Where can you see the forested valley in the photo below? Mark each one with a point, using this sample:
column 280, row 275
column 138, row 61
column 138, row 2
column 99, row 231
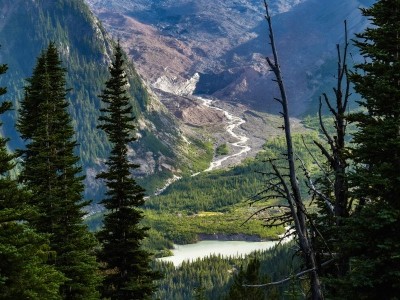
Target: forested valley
column 82, row 214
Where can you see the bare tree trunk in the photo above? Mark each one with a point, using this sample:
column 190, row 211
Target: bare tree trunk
column 293, row 191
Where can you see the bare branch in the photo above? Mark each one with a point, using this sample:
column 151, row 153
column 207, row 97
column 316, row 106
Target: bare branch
column 321, row 121
column 326, row 199
column 316, row 161
column 274, row 224
column 347, row 93
column 345, row 70
column 328, row 103
column 325, row 152
column 261, row 197
column 272, row 66
column 261, row 210
column 288, row 278
column 289, row 232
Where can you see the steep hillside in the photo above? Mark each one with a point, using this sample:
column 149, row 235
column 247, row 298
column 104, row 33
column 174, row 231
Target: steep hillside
column 26, row 27
column 225, row 42
column 193, row 35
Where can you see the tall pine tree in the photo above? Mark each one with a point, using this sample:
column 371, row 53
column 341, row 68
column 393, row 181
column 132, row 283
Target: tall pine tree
column 52, row 174
column 373, row 240
column 24, row 273
column 126, row 264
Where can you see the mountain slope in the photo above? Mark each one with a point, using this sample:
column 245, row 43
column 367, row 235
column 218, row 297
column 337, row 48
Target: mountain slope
column 193, row 34
column 226, row 43
column 26, row 27
column 306, row 38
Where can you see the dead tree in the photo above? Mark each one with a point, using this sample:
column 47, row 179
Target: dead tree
column 284, row 184
column 337, row 201
column 333, row 193
column 336, row 155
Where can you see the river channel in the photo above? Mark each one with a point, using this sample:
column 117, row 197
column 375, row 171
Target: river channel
column 233, row 123
column 191, row 252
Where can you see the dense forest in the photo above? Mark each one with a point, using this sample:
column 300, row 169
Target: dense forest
column 335, row 185
column 223, row 278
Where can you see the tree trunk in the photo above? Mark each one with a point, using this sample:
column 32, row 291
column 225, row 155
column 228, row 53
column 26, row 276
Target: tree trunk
column 295, row 199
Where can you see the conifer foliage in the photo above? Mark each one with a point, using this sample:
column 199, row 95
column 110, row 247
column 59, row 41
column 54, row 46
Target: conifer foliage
column 373, row 240
column 128, row 275
column 24, row 273
column 52, row 175
column 250, row 276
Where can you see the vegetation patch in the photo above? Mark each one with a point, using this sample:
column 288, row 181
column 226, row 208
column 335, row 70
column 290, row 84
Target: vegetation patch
column 222, row 150
column 217, row 202
column 209, row 214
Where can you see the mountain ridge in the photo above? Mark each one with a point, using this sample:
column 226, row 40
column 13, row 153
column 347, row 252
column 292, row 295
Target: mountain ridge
column 85, row 49
column 226, row 44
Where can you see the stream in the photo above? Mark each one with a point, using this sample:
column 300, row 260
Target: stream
column 234, row 122
column 241, row 144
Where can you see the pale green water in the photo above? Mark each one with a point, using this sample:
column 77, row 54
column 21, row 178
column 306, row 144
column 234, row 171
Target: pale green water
column 206, row 248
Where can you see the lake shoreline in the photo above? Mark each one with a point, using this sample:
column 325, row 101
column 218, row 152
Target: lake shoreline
column 232, row 237
column 206, row 248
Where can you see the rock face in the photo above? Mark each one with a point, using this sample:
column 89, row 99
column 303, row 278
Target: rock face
column 192, row 112
column 225, row 42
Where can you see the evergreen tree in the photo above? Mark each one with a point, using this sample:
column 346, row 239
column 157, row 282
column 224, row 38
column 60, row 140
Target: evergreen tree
column 51, row 173
column 373, row 240
column 126, row 264
column 24, row 273
column 250, row 276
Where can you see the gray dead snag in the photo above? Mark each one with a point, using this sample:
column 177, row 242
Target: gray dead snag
column 290, row 188
column 335, row 149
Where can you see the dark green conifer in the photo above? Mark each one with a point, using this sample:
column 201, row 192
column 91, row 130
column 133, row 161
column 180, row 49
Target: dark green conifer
column 52, row 174
column 24, row 273
column 126, row 264
column 373, row 240
column 251, row 276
